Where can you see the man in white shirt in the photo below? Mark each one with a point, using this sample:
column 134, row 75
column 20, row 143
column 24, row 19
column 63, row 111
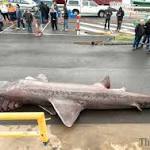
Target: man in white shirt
column 4, row 11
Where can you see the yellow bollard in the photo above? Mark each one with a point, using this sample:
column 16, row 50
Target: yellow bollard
column 39, row 116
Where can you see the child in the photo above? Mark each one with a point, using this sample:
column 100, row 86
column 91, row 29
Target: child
column 53, row 14
column 139, row 32
column 29, row 19
column 1, row 21
column 19, row 17
column 37, row 23
column 65, row 18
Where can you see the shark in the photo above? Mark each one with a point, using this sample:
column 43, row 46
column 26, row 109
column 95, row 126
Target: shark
column 68, row 99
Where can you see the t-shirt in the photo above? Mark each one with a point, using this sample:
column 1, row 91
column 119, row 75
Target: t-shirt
column 11, row 9
column 4, row 8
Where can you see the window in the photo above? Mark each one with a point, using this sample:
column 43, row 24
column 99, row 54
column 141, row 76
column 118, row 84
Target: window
column 85, row 3
column 24, row 2
column 92, row 3
column 74, row 3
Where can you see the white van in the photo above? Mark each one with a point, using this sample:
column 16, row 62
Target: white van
column 24, row 4
column 86, row 8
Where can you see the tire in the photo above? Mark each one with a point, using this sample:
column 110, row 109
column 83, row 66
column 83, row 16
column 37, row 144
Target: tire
column 101, row 14
column 75, row 12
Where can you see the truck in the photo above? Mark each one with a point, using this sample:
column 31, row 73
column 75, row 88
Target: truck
column 86, row 8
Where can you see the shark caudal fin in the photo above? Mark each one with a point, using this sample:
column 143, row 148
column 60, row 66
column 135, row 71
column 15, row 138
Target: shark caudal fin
column 106, row 82
column 67, row 110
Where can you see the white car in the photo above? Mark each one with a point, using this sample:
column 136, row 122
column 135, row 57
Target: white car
column 86, row 8
column 24, row 4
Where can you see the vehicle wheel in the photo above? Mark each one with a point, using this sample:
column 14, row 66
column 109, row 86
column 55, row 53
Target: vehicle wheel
column 75, row 12
column 101, row 14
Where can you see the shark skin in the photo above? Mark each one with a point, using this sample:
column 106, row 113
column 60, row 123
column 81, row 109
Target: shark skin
column 68, row 100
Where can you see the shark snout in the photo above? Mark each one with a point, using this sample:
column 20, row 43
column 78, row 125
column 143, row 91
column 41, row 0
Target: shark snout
column 6, row 105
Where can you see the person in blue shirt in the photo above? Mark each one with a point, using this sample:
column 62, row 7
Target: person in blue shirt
column 19, row 17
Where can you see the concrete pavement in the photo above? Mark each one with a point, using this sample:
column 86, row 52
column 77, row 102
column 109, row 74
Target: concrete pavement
column 63, row 61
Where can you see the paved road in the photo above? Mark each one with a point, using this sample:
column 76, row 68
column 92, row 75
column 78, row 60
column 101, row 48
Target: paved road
column 63, row 61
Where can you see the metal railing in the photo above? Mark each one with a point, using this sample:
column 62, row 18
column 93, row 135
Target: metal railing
column 39, row 116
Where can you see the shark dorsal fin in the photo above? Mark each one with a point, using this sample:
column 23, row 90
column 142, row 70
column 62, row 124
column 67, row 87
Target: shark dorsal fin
column 106, row 82
column 67, row 110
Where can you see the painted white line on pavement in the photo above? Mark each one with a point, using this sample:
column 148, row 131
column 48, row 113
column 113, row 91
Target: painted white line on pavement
column 7, row 28
column 101, row 30
column 123, row 26
column 91, row 29
column 128, row 24
column 102, row 25
column 46, row 26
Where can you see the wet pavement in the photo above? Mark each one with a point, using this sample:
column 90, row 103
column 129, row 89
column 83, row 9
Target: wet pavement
column 63, row 61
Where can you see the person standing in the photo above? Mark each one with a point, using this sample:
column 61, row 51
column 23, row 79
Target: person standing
column 42, row 9
column 37, row 23
column 1, row 21
column 19, row 17
column 4, row 12
column 147, row 34
column 120, row 15
column 46, row 13
column 108, row 14
column 139, row 32
column 53, row 15
column 29, row 19
column 65, row 18
column 12, row 13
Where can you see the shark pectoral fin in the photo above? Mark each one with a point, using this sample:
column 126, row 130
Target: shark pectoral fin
column 106, row 82
column 137, row 106
column 67, row 110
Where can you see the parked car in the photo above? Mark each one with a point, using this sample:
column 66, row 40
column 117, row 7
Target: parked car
column 24, row 4
column 86, row 8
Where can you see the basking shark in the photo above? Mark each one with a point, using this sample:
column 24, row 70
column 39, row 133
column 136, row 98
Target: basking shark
column 68, row 100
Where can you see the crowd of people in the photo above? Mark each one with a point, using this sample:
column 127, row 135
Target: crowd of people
column 142, row 35
column 34, row 20
column 42, row 14
column 142, row 29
